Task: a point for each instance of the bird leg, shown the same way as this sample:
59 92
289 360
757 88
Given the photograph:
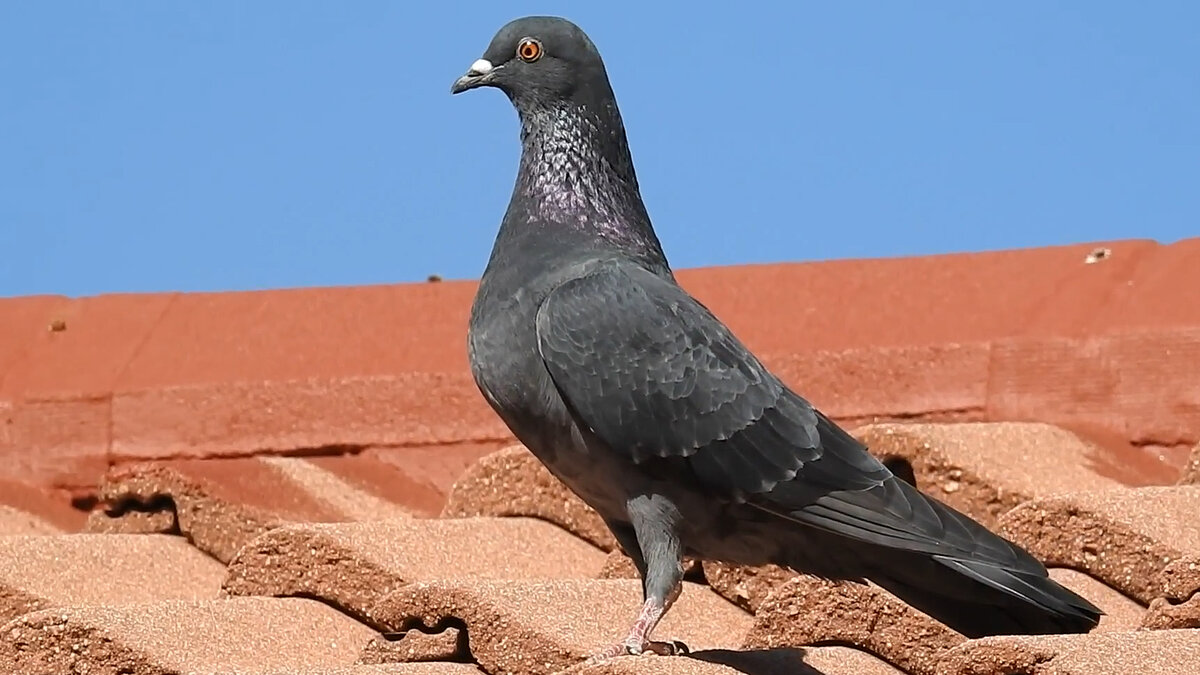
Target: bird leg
658 556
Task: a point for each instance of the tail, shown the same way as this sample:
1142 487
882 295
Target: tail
937 560
979 598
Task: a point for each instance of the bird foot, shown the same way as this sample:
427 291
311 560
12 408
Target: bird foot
633 648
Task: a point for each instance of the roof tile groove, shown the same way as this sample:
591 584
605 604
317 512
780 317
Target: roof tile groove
49 511
541 627
354 565
1122 537
251 636
806 610
1162 652
416 645
512 482
1179 606
986 469
222 504
38 572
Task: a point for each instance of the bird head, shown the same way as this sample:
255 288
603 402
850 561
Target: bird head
538 60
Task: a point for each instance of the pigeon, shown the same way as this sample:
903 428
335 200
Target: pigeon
643 403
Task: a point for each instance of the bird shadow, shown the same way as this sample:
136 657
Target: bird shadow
783 661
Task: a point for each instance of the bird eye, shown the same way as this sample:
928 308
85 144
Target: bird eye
529 50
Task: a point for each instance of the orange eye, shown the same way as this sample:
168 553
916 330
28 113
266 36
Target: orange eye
529 50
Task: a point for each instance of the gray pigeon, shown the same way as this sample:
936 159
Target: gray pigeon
643 403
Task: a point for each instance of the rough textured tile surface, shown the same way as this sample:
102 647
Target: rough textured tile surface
806 610
38 572
51 508
1123 537
242 635
1162 652
353 565
1120 611
810 661
536 627
1179 606
1191 472
222 504
986 469
415 645
512 482
745 586
16 521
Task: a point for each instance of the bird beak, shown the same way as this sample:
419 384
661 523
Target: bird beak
479 74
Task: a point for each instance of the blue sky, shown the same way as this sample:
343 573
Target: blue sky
155 145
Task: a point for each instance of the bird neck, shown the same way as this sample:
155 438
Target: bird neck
576 174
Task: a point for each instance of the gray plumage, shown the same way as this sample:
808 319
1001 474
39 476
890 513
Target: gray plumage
643 403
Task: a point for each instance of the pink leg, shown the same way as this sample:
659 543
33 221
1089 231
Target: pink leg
638 641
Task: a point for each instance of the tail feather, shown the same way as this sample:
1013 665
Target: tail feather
980 600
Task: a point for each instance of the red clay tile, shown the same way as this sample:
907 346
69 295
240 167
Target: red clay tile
243 635
59 442
937 382
22 320
1123 537
1088 380
51 507
1162 652
353 565
744 585
415 645
512 482
806 611
39 572
534 627
61 388
437 466
1163 291
1191 471
811 661
986 469
261 375
1120 611
1179 606
222 504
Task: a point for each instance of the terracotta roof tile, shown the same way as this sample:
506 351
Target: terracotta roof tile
534 627
744 585
1179 605
61 384
47 508
1191 472
38 572
806 611
221 504
16 521
354 565
416 645
1162 652
512 482
1123 537
1120 611
986 469
810 661
390 669
244 635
